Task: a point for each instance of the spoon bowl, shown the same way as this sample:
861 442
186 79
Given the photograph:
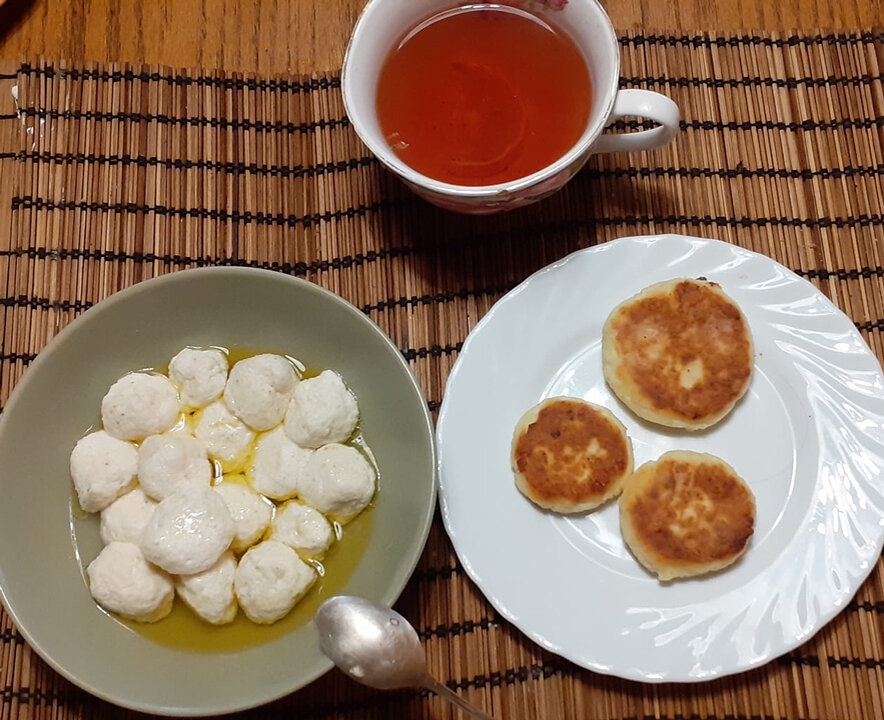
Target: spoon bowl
373 644
376 646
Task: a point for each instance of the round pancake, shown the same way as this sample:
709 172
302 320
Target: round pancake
678 354
570 456
686 514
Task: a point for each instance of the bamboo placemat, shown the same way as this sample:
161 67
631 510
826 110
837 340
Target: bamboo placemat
111 174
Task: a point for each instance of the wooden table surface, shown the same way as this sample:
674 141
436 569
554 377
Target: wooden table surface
297 36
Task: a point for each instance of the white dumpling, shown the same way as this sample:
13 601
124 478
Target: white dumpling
227 438
278 465
250 512
167 463
210 593
322 411
138 405
125 518
188 531
122 581
302 528
259 389
199 375
102 468
338 481
270 579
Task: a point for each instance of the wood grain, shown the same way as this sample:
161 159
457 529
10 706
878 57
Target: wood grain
297 36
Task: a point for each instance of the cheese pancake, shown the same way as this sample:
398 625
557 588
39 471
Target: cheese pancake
570 456
678 354
686 514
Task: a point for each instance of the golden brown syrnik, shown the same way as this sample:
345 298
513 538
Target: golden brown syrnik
686 514
678 354
569 455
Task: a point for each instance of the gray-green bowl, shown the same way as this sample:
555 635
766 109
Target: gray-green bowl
41 580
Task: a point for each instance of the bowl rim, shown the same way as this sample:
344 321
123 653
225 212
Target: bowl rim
410 560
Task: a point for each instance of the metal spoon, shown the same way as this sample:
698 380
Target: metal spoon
378 647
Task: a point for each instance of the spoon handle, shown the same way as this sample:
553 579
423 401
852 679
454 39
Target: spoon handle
433 685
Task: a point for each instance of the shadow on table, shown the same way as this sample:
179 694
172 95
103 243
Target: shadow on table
12 14
495 252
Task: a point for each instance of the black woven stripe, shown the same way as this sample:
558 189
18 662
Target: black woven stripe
410 354
743 82
871 325
323 124
278 219
38 303
26 358
872 607
280 171
215 123
841 274
434 351
512 676
10 637
698 41
296 86
442 573
459 628
247 218
309 171
804 125
35 697
858 663
434 405
714 125
835 662
297 269
8 116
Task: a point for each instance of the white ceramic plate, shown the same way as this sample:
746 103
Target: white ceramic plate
808 438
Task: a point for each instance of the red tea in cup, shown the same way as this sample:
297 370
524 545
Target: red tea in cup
483 94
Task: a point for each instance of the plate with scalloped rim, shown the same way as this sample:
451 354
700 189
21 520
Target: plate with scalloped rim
808 437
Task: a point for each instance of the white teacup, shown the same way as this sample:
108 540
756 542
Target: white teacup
384 22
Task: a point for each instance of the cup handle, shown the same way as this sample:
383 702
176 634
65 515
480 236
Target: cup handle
646 104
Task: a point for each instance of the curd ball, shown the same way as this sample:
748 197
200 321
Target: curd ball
138 405
199 375
250 512
169 462
123 582
322 411
210 593
188 531
125 518
302 528
259 389
226 437
270 579
278 465
338 481
102 468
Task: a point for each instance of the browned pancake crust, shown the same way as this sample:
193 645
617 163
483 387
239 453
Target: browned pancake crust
686 514
681 355
570 455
